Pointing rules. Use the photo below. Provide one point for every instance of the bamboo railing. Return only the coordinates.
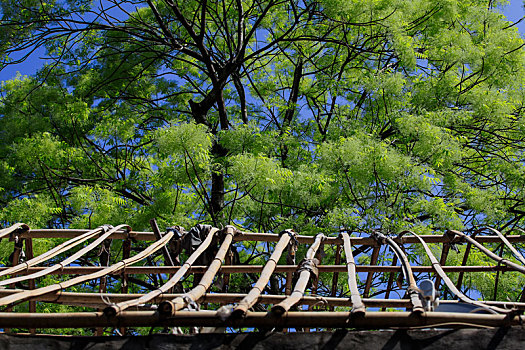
(343, 295)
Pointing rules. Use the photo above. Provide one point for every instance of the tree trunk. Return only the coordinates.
(217, 186)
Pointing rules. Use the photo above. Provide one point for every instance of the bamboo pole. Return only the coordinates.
(259, 237)
(514, 251)
(450, 284)
(15, 259)
(251, 298)
(158, 235)
(357, 304)
(126, 252)
(51, 253)
(31, 283)
(66, 284)
(335, 275)
(67, 261)
(138, 270)
(373, 320)
(119, 307)
(11, 229)
(104, 256)
(412, 289)
(370, 275)
(442, 261)
(97, 300)
(290, 259)
(491, 254)
(168, 308)
(390, 281)
(307, 271)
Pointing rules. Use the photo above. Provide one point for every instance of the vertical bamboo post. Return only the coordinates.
(442, 261)
(390, 281)
(104, 257)
(497, 274)
(335, 276)
(15, 258)
(463, 263)
(290, 260)
(373, 261)
(226, 276)
(126, 251)
(31, 282)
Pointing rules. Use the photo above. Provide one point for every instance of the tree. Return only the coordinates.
(268, 114)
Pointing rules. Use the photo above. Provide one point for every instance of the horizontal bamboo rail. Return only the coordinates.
(264, 237)
(99, 300)
(373, 320)
(138, 270)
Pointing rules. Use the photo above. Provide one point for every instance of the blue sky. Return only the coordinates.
(514, 11)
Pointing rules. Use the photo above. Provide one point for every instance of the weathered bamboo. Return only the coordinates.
(509, 245)
(464, 260)
(66, 284)
(307, 271)
(335, 275)
(158, 235)
(412, 289)
(370, 275)
(67, 261)
(51, 253)
(97, 300)
(168, 308)
(117, 308)
(290, 259)
(31, 283)
(490, 254)
(126, 253)
(254, 294)
(355, 297)
(138, 270)
(104, 256)
(496, 281)
(373, 320)
(442, 261)
(8, 230)
(390, 281)
(258, 237)
(450, 284)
